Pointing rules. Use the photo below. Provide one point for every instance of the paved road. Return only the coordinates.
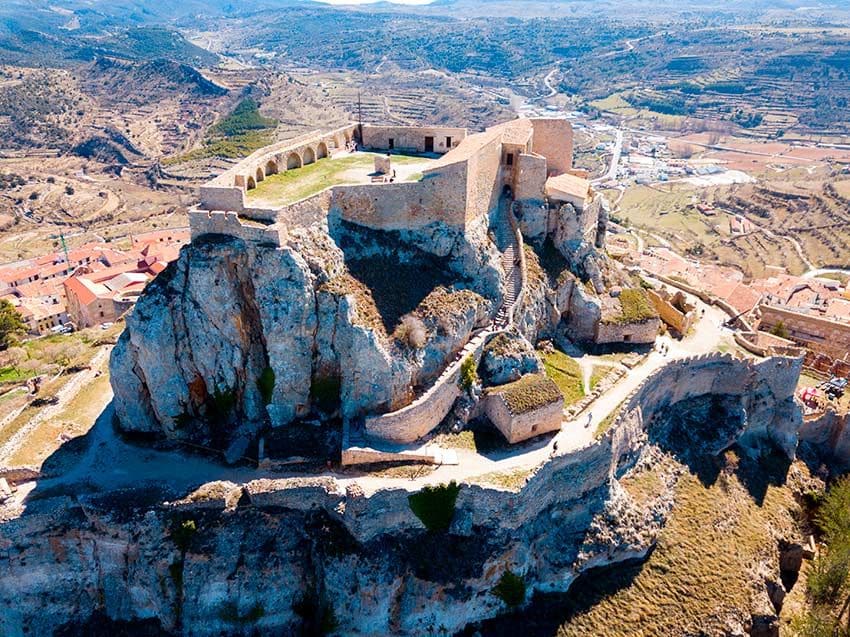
(821, 271)
(611, 175)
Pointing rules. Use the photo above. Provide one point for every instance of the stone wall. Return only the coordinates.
(65, 557)
(484, 183)
(518, 427)
(766, 387)
(411, 138)
(227, 190)
(816, 333)
(228, 223)
(553, 139)
(310, 211)
(668, 309)
(439, 197)
(422, 416)
(530, 178)
(643, 332)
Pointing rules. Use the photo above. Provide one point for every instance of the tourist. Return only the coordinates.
(589, 420)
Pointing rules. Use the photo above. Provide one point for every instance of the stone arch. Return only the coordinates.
(271, 167)
(321, 150)
(251, 184)
(293, 161)
(339, 141)
(260, 174)
(309, 155)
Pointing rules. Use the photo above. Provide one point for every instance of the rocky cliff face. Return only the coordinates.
(296, 556)
(232, 338)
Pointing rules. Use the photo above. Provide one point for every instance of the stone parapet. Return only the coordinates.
(218, 222)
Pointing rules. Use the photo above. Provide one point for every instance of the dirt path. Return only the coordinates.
(66, 394)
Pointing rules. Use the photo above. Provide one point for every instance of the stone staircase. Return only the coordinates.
(360, 448)
(506, 240)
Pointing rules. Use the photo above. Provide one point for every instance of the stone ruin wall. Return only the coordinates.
(411, 138)
(440, 196)
(484, 181)
(644, 332)
(671, 315)
(519, 427)
(228, 223)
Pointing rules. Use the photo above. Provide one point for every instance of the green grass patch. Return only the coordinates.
(598, 373)
(566, 373)
(293, 185)
(468, 373)
(238, 135)
(435, 506)
(11, 374)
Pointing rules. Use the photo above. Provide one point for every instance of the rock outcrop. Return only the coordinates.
(233, 338)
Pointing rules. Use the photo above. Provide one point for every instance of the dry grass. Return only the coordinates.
(701, 572)
(74, 420)
(462, 440)
(598, 374)
(530, 392)
(514, 480)
(843, 188)
(366, 310)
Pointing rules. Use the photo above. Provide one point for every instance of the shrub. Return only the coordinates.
(182, 534)
(325, 392)
(468, 373)
(222, 405)
(435, 506)
(11, 324)
(69, 190)
(510, 589)
(265, 383)
(780, 330)
(635, 307)
(412, 332)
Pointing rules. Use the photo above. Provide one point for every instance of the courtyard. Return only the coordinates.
(349, 168)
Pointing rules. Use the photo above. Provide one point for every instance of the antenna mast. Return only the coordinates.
(359, 117)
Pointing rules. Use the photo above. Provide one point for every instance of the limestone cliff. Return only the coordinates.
(292, 556)
(233, 338)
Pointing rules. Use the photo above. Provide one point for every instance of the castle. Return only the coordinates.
(532, 158)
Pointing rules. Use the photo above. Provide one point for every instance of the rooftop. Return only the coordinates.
(530, 392)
